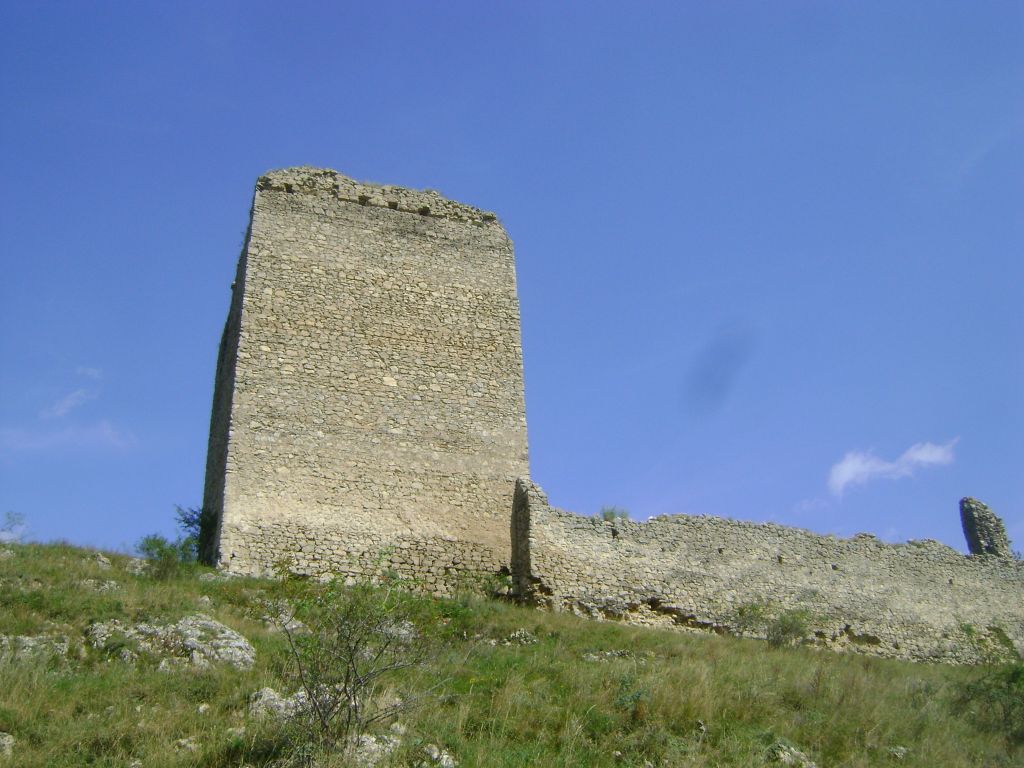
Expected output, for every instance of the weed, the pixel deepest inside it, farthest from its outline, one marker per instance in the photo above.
(611, 514)
(632, 698)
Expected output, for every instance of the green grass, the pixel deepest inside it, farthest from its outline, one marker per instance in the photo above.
(675, 700)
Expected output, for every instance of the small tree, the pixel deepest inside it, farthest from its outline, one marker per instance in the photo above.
(198, 526)
(350, 645)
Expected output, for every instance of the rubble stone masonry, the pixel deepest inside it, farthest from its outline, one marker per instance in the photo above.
(920, 600)
(368, 407)
(984, 531)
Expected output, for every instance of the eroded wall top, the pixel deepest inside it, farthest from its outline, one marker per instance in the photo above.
(920, 600)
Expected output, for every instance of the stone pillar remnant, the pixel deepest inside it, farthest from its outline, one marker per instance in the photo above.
(984, 531)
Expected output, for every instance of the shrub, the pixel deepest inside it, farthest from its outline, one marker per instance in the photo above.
(610, 514)
(750, 618)
(167, 559)
(788, 628)
(351, 646)
(995, 702)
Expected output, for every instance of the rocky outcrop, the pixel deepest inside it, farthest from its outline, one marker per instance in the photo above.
(33, 647)
(196, 641)
(984, 531)
(267, 702)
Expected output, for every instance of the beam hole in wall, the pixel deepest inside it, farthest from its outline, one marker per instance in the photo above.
(393, 205)
(364, 199)
(424, 210)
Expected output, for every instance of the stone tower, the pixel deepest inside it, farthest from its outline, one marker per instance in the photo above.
(368, 409)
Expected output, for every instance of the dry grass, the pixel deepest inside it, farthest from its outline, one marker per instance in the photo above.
(674, 699)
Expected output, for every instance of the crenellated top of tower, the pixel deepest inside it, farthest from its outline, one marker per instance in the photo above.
(324, 181)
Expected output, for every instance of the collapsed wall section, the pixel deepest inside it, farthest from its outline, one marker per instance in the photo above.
(920, 600)
(369, 408)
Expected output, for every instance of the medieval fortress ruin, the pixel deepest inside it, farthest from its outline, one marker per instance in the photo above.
(368, 415)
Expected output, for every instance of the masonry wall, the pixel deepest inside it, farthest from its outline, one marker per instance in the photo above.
(920, 600)
(369, 399)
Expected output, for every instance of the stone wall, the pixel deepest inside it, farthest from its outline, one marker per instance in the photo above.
(369, 396)
(920, 600)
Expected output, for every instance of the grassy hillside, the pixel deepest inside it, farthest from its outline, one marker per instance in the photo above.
(501, 686)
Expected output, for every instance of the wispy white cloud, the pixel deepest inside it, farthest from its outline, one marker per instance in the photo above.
(89, 372)
(67, 404)
(859, 467)
(101, 435)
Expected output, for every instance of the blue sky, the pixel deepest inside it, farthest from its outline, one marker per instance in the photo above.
(769, 254)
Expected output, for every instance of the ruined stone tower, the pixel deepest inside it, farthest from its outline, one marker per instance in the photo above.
(368, 408)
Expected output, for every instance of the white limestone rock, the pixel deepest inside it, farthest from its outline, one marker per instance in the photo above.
(441, 757)
(267, 702)
(136, 566)
(784, 754)
(24, 647)
(369, 751)
(108, 585)
(194, 641)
